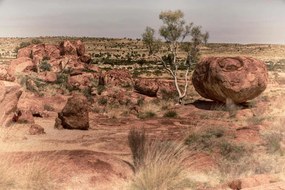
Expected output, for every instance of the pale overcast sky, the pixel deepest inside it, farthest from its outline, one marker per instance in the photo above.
(241, 21)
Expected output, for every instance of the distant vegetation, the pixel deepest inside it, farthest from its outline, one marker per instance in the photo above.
(27, 43)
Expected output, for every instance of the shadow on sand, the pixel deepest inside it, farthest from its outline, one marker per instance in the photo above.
(215, 106)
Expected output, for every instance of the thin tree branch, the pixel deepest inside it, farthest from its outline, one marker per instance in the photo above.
(165, 65)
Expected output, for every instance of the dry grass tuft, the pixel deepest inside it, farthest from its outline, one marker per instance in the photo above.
(32, 175)
(161, 164)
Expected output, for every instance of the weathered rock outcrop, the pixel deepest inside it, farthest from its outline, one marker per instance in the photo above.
(67, 48)
(117, 77)
(9, 96)
(25, 52)
(237, 78)
(80, 47)
(20, 65)
(67, 55)
(39, 51)
(74, 115)
(146, 87)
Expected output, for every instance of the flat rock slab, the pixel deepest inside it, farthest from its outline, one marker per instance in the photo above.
(76, 169)
(271, 186)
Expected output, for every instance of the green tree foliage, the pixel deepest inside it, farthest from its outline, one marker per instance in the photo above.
(178, 36)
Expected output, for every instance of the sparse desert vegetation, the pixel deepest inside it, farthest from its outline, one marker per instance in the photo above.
(101, 113)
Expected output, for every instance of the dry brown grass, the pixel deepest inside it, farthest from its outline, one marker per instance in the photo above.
(33, 175)
(159, 164)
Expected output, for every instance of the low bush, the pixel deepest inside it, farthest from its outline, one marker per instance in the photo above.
(146, 115)
(44, 66)
(273, 142)
(102, 101)
(170, 114)
(205, 141)
(231, 151)
(48, 107)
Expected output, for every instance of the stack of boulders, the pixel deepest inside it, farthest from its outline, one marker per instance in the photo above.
(68, 58)
(66, 55)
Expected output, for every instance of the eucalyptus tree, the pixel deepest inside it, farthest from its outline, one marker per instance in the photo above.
(178, 36)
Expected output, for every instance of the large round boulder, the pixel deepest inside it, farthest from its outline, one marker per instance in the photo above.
(75, 114)
(237, 78)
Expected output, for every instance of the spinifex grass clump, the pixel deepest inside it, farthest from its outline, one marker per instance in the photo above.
(158, 164)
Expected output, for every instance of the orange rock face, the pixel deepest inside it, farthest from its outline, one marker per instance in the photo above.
(146, 87)
(237, 78)
(9, 96)
(20, 65)
(75, 114)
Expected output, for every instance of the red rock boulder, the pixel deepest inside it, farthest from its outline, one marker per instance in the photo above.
(80, 48)
(3, 73)
(74, 115)
(36, 129)
(67, 48)
(52, 51)
(117, 77)
(9, 96)
(81, 81)
(237, 78)
(25, 52)
(20, 65)
(85, 58)
(146, 87)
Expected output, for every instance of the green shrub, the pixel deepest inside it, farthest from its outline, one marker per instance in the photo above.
(170, 114)
(100, 89)
(36, 41)
(205, 141)
(256, 120)
(44, 66)
(136, 73)
(102, 101)
(140, 101)
(231, 151)
(157, 72)
(87, 92)
(22, 45)
(168, 95)
(62, 78)
(48, 107)
(146, 115)
(273, 142)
